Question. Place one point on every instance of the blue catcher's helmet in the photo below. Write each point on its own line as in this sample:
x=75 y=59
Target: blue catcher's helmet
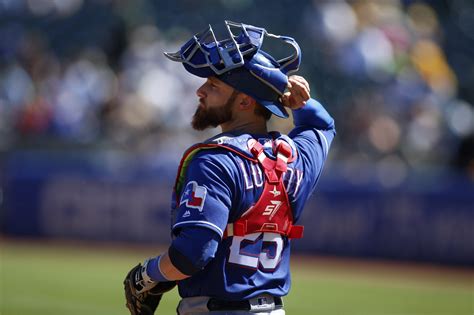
x=240 y=62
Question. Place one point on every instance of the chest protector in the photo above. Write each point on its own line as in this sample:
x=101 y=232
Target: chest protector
x=272 y=212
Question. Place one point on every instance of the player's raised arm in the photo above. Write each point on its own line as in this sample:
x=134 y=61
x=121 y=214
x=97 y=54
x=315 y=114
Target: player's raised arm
x=314 y=128
x=306 y=111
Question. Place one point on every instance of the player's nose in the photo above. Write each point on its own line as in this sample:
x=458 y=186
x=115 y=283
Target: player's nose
x=200 y=92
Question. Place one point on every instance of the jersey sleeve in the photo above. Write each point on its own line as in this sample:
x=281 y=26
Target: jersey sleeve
x=313 y=134
x=206 y=197
x=193 y=248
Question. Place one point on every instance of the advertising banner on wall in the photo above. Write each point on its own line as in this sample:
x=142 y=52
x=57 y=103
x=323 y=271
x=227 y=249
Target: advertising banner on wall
x=85 y=198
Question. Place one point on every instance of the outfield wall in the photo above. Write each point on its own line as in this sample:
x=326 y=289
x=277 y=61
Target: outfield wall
x=112 y=196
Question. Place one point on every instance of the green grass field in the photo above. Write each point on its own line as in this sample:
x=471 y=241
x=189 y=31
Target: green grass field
x=75 y=279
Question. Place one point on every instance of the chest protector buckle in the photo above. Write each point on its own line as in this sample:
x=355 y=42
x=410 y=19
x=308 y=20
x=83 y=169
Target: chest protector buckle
x=272 y=212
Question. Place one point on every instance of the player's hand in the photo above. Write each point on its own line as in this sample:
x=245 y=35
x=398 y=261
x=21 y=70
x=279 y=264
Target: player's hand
x=297 y=94
x=142 y=297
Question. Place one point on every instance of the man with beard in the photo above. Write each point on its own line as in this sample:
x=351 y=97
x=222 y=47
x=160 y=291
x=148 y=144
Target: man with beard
x=238 y=195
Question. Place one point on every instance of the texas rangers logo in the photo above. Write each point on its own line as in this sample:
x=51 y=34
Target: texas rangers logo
x=193 y=195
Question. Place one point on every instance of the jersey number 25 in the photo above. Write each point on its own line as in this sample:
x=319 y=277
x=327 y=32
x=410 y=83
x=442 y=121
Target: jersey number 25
x=257 y=250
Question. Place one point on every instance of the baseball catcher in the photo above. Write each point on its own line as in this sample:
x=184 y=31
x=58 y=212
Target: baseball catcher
x=238 y=196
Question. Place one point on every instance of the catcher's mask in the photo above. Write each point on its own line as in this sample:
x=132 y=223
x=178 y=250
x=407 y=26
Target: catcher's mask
x=240 y=62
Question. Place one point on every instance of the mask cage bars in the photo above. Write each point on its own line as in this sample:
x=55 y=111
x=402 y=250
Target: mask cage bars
x=222 y=56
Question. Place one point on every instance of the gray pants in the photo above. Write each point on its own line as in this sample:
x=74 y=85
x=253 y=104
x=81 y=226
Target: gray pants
x=198 y=306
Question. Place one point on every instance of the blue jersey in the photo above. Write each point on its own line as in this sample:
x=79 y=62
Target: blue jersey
x=216 y=185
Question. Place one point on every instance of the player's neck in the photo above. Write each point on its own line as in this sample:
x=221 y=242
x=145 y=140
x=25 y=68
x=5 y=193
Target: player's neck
x=255 y=127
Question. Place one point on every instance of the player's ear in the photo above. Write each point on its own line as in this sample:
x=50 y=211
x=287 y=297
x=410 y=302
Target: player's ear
x=246 y=102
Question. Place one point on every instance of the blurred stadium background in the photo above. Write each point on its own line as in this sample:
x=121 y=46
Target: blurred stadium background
x=93 y=121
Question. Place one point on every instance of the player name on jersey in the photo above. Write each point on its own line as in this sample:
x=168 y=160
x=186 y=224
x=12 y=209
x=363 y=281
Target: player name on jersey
x=292 y=178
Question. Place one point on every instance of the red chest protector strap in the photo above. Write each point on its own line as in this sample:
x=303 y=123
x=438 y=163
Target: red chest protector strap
x=272 y=212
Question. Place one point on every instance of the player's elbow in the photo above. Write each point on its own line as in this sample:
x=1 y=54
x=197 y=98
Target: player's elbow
x=190 y=256
x=188 y=265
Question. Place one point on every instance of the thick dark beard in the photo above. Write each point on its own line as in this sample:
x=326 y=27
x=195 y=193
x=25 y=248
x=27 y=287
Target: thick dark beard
x=215 y=116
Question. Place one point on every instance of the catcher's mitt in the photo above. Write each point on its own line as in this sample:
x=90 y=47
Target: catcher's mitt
x=143 y=298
